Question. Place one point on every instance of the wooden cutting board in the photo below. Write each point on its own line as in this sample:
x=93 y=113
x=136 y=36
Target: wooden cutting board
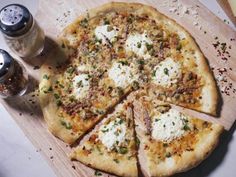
x=54 y=15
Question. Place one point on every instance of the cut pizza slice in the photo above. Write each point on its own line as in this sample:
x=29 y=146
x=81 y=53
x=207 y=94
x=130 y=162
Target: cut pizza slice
x=111 y=148
x=171 y=141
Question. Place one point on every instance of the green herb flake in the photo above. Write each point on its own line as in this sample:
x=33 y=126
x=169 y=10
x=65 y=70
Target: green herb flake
x=70 y=70
x=153 y=73
x=67 y=125
x=139 y=44
x=168 y=154
x=141 y=62
x=45 y=76
x=123 y=62
x=97 y=173
x=56 y=96
x=106 y=21
x=116 y=160
x=166 y=71
x=179 y=47
x=186 y=127
x=165 y=144
x=123 y=150
x=49 y=89
x=135 y=85
x=149 y=46
x=58 y=102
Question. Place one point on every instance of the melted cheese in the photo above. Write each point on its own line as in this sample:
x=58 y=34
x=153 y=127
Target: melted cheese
x=137 y=43
x=167 y=72
x=103 y=33
x=113 y=133
x=81 y=85
x=168 y=126
x=121 y=74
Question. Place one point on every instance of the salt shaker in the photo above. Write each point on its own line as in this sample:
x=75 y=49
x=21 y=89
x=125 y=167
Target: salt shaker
x=13 y=76
x=21 y=31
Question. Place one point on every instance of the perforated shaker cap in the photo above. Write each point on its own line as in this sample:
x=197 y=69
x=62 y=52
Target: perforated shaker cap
x=6 y=61
x=15 y=20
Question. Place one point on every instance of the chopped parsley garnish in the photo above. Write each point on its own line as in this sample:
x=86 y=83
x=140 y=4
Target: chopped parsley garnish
x=97 y=173
x=186 y=127
x=166 y=71
x=98 y=40
x=165 y=144
x=70 y=70
x=116 y=160
x=139 y=44
x=45 y=76
x=123 y=62
x=149 y=46
x=105 y=130
x=67 y=125
x=50 y=89
x=123 y=150
x=179 y=47
x=168 y=154
x=121 y=121
x=135 y=85
x=56 y=96
x=106 y=21
x=141 y=62
x=153 y=73
x=58 y=102
x=79 y=84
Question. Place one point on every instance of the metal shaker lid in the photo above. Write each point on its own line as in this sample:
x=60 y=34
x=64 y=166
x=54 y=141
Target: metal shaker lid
x=6 y=61
x=15 y=20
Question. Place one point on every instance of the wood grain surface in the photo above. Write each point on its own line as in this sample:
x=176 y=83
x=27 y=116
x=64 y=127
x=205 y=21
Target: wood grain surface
x=54 y=15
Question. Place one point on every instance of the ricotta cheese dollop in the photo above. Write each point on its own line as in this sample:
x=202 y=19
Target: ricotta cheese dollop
x=112 y=134
x=122 y=74
x=81 y=85
x=167 y=72
x=106 y=32
x=138 y=44
x=169 y=126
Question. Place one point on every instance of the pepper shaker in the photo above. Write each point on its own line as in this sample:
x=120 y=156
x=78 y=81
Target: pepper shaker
x=21 y=31
x=13 y=76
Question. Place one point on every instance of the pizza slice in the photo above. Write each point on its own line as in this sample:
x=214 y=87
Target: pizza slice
x=171 y=141
x=112 y=147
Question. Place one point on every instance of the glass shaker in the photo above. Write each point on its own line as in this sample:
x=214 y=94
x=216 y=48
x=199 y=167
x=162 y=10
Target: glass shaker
x=20 y=30
x=13 y=76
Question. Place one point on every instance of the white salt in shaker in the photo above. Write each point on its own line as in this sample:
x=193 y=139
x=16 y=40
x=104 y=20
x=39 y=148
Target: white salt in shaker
x=21 y=31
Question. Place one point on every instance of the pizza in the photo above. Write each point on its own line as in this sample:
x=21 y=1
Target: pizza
x=112 y=54
x=112 y=145
x=172 y=141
